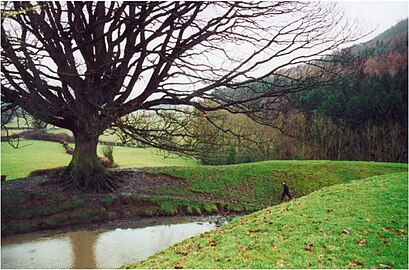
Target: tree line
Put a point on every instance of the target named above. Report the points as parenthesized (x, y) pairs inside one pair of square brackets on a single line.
[(363, 117)]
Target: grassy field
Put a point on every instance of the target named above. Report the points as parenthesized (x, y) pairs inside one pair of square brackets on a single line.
[(362, 224), (32, 155), (35, 155), (260, 183)]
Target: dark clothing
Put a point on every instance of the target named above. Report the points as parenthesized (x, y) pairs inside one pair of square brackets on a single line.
[(285, 188), (286, 191)]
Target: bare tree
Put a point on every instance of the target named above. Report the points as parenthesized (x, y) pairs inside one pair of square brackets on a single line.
[(85, 66)]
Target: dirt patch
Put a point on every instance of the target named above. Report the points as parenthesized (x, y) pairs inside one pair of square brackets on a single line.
[(137, 182), (130, 182)]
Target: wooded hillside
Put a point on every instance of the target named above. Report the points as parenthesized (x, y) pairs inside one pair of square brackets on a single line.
[(362, 116)]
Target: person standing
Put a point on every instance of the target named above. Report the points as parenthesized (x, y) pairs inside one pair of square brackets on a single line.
[(286, 191)]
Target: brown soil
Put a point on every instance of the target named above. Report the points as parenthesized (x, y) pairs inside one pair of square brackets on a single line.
[(45, 204), (130, 182)]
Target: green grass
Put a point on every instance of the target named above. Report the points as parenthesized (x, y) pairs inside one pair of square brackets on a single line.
[(361, 224), (128, 157), (260, 183), (35, 155)]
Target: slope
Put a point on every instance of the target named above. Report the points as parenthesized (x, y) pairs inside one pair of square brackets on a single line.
[(260, 183), (357, 225)]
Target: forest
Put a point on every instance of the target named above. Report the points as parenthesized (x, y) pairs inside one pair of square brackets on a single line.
[(363, 116)]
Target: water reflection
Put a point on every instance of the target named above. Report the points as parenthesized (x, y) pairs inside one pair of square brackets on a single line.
[(83, 245), (37, 253), (124, 246), (100, 248)]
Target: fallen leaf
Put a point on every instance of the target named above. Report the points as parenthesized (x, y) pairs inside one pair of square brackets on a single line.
[(386, 228), (182, 253), (382, 235), (280, 263), (402, 232), (361, 242), (386, 243), (345, 232), (324, 246), (178, 266), (327, 219), (354, 263), (244, 248), (272, 245), (212, 244), (378, 250), (309, 247), (382, 266)]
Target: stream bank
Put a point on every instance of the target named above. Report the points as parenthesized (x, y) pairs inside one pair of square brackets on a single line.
[(40, 203)]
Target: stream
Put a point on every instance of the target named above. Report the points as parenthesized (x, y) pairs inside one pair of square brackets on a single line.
[(101, 246)]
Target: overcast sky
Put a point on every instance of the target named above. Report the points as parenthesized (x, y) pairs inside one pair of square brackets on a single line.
[(379, 15)]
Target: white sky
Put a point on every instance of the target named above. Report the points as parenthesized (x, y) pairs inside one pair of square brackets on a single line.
[(372, 15), (379, 15)]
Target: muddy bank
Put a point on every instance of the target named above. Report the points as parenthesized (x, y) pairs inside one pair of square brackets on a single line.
[(40, 203)]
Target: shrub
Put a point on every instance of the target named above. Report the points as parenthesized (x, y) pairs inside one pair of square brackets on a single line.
[(105, 162), (45, 136), (108, 152), (108, 201)]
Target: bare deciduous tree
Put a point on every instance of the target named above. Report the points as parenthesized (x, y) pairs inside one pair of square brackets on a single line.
[(85, 66)]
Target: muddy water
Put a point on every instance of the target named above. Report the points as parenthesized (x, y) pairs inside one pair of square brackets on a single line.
[(108, 246)]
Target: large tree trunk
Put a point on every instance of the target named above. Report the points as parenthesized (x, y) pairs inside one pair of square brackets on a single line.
[(85, 171)]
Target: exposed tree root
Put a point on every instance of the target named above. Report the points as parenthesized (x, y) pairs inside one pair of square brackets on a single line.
[(98, 182)]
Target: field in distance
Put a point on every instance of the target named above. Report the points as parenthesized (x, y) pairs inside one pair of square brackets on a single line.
[(34, 155)]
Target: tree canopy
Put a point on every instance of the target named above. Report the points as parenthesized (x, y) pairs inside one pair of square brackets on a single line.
[(86, 66)]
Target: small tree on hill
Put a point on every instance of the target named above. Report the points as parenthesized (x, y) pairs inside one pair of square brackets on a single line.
[(84, 66)]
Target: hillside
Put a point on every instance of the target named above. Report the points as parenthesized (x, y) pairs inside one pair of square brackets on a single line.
[(393, 38), (260, 182), (388, 52), (362, 224)]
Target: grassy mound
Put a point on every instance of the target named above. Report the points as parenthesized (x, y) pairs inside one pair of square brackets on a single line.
[(260, 183), (362, 224)]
